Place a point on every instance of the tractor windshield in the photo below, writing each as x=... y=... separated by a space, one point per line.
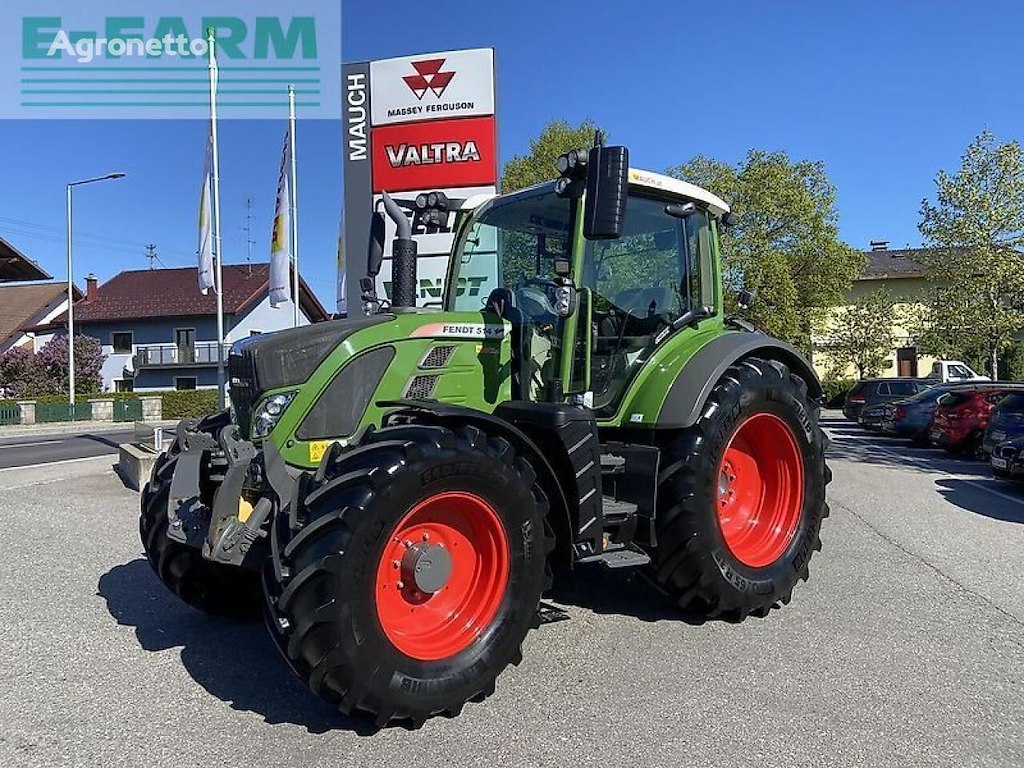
x=512 y=240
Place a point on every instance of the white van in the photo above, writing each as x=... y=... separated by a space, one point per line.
x=953 y=371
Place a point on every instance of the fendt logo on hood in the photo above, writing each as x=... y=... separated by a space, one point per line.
x=429 y=77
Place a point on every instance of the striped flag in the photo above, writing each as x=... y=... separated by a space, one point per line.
x=280 y=243
x=206 y=281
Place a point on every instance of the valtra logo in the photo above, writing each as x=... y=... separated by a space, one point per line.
x=429 y=77
x=434 y=154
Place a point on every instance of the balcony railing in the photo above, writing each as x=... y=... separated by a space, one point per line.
x=172 y=355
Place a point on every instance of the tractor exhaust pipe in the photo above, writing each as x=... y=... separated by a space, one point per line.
x=403 y=257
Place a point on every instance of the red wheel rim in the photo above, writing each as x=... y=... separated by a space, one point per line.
x=760 y=490
x=442 y=576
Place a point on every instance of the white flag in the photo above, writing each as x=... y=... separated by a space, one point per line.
x=206 y=281
x=280 y=242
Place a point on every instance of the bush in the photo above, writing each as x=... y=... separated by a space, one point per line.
x=187 y=403
x=835 y=391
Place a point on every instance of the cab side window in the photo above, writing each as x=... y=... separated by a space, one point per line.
x=656 y=272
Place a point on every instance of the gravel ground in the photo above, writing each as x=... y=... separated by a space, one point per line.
x=904 y=648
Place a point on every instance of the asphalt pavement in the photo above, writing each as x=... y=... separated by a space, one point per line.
x=28 y=450
x=905 y=648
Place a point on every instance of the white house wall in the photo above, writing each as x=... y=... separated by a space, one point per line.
x=264 y=318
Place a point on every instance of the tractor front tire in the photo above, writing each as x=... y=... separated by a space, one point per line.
x=741 y=496
x=213 y=588
x=413 y=574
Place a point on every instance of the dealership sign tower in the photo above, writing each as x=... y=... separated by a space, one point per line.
x=413 y=124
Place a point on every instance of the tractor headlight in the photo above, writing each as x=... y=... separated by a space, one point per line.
x=269 y=413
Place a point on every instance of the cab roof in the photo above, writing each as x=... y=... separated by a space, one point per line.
x=663 y=183
x=644 y=179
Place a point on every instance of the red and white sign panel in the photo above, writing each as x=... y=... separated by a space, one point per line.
x=434 y=155
x=432 y=86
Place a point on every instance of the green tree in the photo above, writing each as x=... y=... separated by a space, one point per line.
x=975 y=229
x=863 y=335
x=557 y=138
x=785 y=246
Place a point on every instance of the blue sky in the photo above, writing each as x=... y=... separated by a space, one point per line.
x=884 y=93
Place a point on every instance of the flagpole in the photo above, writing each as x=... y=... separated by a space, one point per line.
x=294 y=186
x=216 y=218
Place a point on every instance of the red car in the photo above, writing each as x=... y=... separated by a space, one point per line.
x=961 y=418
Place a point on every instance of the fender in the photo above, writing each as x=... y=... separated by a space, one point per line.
x=687 y=396
x=454 y=416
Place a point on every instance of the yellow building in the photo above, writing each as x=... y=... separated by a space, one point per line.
x=894 y=271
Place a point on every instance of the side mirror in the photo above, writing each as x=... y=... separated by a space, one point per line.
x=745 y=299
x=375 y=251
x=607 y=190
x=730 y=219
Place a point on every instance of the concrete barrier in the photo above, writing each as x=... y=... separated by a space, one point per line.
x=135 y=464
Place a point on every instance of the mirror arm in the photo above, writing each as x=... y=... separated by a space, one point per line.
x=692 y=317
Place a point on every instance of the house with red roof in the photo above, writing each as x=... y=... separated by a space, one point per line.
x=158 y=332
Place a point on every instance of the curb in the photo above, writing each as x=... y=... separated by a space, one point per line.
x=79 y=427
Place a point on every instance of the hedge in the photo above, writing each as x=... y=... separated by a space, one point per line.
x=187 y=403
x=177 y=404
x=835 y=391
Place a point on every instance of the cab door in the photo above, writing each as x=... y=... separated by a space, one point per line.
x=638 y=285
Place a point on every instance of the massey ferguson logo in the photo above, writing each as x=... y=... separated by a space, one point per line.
x=405 y=155
x=429 y=77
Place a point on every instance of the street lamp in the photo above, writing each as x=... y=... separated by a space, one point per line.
x=71 y=288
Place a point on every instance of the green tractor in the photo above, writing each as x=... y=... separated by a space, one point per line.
x=396 y=491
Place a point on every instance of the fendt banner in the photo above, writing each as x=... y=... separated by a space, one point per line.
x=413 y=124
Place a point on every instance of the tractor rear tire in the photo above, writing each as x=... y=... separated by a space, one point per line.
x=741 y=496
x=414 y=573
x=213 y=588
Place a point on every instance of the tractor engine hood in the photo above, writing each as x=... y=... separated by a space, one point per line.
x=285 y=358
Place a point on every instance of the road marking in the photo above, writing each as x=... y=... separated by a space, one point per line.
x=969 y=479
x=55 y=463
x=30 y=445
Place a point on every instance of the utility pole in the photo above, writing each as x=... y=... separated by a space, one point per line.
x=151 y=254
x=249 y=242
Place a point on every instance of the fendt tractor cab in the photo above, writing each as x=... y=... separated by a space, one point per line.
x=396 y=491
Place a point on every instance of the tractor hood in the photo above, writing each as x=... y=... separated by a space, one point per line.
x=286 y=358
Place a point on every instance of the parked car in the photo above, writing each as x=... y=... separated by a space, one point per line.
x=1008 y=459
x=867 y=392
x=911 y=417
x=945 y=371
x=873 y=416
x=962 y=416
x=1007 y=421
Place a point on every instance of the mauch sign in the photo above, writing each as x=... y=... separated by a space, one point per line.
x=414 y=124
x=433 y=86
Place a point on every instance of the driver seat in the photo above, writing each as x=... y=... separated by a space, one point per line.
x=502 y=302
